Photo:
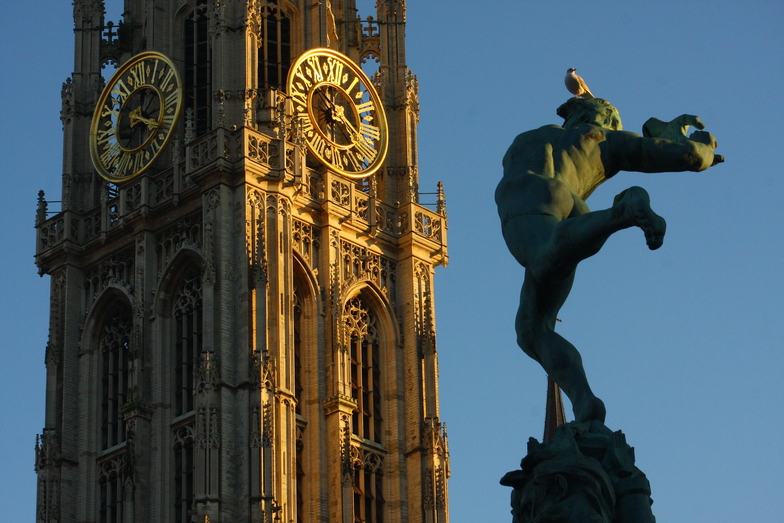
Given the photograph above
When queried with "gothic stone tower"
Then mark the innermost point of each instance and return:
(239, 333)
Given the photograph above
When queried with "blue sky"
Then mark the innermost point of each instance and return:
(684, 344)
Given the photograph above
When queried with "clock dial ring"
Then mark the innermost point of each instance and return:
(126, 137)
(352, 142)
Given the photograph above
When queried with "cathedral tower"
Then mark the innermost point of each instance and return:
(242, 320)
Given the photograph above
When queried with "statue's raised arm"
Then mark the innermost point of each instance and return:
(664, 147)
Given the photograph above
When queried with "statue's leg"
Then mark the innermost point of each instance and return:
(580, 237)
(633, 206)
(550, 250)
(535, 326)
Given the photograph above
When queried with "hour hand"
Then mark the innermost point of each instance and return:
(136, 117)
(339, 115)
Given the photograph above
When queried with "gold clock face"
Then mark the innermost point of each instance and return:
(135, 116)
(341, 114)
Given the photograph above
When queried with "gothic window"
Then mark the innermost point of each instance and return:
(183, 473)
(275, 51)
(187, 344)
(298, 348)
(187, 316)
(300, 478)
(197, 75)
(362, 330)
(110, 481)
(368, 498)
(365, 369)
(115, 346)
(298, 389)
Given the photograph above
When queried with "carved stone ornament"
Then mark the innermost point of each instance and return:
(254, 234)
(67, 94)
(116, 271)
(255, 428)
(253, 17)
(86, 11)
(185, 234)
(585, 473)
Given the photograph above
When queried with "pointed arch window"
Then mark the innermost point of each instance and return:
(183, 473)
(187, 317)
(368, 497)
(298, 347)
(298, 394)
(365, 348)
(115, 345)
(112, 489)
(365, 369)
(274, 56)
(187, 334)
(197, 70)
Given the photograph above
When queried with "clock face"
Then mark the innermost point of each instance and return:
(340, 112)
(135, 116)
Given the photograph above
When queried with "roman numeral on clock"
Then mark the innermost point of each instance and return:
(371, 132)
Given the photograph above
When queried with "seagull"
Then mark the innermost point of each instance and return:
(576, 85)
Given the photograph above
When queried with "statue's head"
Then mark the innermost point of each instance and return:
(594, 111)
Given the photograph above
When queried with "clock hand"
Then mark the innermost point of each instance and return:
(340, 116)
(330, 104)
(136, 117)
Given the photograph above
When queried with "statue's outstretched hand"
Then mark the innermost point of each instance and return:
(676, 129)
(708, 139)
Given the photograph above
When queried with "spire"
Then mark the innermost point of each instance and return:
(554, 415)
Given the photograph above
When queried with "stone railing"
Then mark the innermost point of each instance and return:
(259, 151)
(147, 192)
(382, 217)
(252, 146)
(367, 455)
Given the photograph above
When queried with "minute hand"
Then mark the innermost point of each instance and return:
(136, 117)
(342, 118)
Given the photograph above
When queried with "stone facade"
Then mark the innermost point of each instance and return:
(240, 334)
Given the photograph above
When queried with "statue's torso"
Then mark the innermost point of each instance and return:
(547, 168)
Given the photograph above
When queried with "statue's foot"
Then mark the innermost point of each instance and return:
(634, 206)
(592, 408)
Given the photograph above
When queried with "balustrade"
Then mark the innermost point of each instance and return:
(151, 191)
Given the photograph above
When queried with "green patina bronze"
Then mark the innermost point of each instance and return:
(586, 472)
(548, 174)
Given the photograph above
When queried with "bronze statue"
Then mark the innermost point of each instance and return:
(548, 174)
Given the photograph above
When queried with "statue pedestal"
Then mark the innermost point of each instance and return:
(584, 474)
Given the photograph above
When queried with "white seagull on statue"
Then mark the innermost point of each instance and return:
(576, 85)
